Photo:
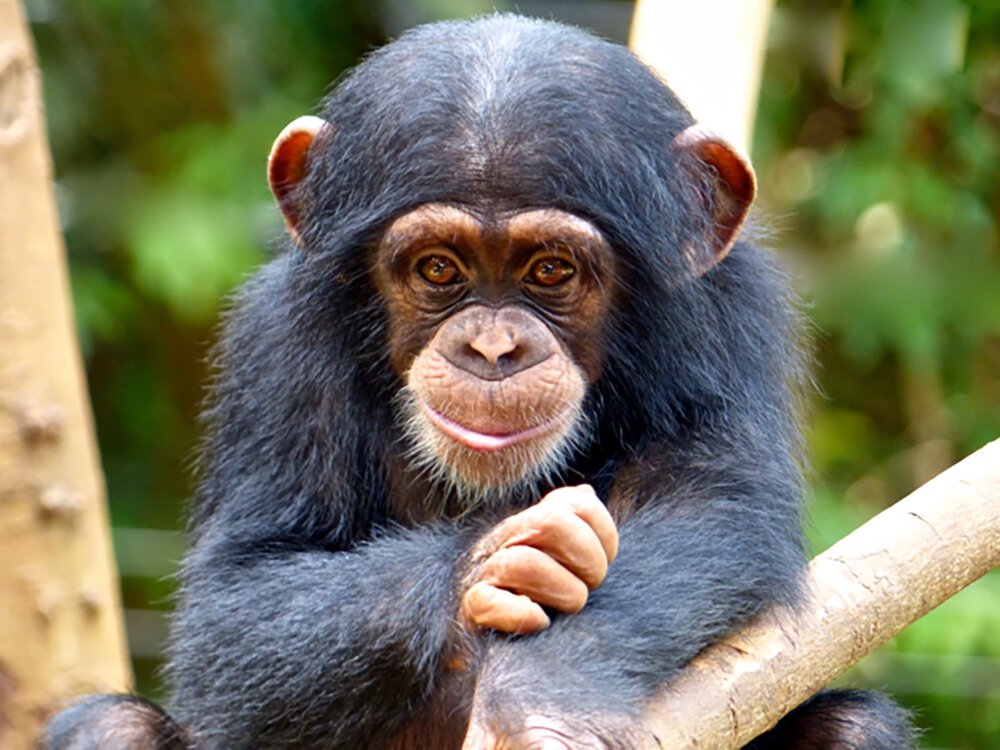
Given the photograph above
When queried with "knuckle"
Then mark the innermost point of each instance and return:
(581, 500)
(556, 495)
(553, 519)
(591, 503)
(575, 494)
(527, 523)
(510, 565)
(503, 531)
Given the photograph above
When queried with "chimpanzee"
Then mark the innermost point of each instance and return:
(505, 435)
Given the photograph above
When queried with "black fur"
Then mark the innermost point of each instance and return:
(309, 616)
(841, 720)
(114, 721)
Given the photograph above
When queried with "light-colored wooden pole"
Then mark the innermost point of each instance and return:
(61, 630)
(861, 592)
(711, 53)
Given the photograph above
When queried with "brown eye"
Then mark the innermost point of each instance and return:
(551, 272)
(439, 269)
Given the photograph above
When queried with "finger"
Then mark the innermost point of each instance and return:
(556, 530)
(529, 571)
(486, 606)
(588, 506)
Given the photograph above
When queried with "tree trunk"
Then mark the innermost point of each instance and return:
(710, 53)
(61, 632)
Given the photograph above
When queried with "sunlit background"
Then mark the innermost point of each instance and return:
(876, 147)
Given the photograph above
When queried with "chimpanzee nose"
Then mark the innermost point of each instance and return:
(495, 344)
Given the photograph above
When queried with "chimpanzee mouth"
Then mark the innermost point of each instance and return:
(487, 442)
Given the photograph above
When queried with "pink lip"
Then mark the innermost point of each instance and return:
(479, 441)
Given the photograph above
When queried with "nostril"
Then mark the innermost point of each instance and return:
(512, 357)
(509, 362)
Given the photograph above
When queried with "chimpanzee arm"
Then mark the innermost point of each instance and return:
(276, 646)
(689, 566)
(109, 722)
(369, 646)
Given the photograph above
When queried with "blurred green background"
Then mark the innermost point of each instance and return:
(876, 147)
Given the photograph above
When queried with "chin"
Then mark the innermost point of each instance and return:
(484, 468)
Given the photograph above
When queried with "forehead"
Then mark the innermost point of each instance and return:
(439, 221)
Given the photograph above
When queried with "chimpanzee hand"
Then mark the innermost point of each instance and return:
(549, 555)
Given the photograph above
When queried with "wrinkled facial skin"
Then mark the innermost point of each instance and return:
(495, 327)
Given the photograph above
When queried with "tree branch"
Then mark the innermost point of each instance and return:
(860, 592)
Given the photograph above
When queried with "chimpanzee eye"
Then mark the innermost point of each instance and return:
(550, 272)
(439, 270)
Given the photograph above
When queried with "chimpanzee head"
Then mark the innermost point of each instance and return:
(515, 200)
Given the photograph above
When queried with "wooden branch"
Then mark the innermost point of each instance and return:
(861, 592)
(61, 630)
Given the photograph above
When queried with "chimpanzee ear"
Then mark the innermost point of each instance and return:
(287, 164)
(732, 189)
